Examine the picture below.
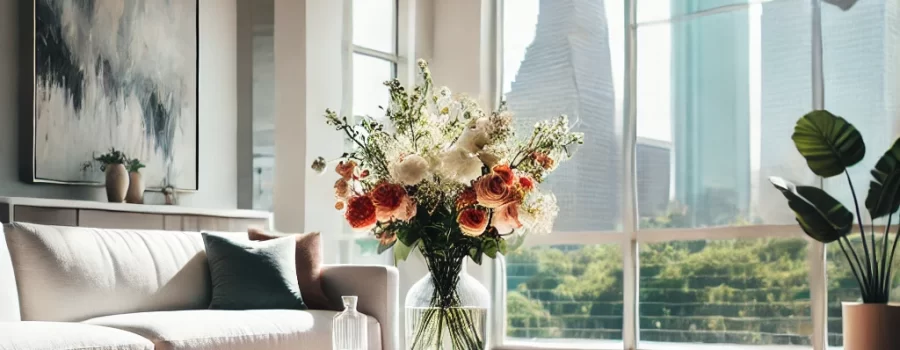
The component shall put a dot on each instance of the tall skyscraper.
(654, 170)
(711, 113)
(567, 70)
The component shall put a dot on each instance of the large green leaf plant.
(830, 145)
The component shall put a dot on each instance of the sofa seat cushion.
(32, 335)
(234, 329)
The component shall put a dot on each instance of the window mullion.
(630, 263)
(818, 280)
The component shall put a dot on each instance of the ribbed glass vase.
(447, 309)
(349, 329)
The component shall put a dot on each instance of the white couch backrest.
(76, 273)
(9, 297)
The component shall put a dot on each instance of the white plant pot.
(870, 326)
(116, 183)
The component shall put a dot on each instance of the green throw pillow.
(252, 275)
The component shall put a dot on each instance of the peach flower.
(543, 159)
(407, 210)
(506, 218)
(493, 192)
(341, 189)
(345, 169)
(472, 222)
(392, 202)
(360, 213)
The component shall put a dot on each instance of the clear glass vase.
(447, 309)
(349, 329)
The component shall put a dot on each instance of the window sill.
(612, 345)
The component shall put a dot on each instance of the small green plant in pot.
(830, 144)
(112, 164)
(136, 182)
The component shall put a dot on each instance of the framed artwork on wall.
(101, 74)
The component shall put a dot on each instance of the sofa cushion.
(308, 261)
(252, 275)
(67, 336)
(9, 296)
(75, 273)
(234, 330)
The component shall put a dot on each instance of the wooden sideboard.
(129, 216)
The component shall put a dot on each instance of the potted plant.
(441, 176)
(112, 164)
(136, 182)
(830, 145)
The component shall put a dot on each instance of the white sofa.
(83, 288)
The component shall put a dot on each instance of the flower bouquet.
(438, 174)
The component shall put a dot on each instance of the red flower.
(390, 200)
(472, 222)
(360, 213)
(526, 183)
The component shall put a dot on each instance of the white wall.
(217, 143)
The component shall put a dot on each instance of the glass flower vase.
(349, 329)
(447, 309)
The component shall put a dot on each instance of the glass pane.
(655, 10)
(552, 67)
(369, 92)
(842, 285)
(750, 292)
(263, 120)
(374, 23)
(717, 100)
(862, 82)
(565, 293)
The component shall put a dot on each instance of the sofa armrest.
(378, 289)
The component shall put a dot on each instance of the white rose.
(475, 137)
(460, 165)
(411, 170)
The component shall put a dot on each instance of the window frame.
(631, 236)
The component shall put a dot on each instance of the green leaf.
(821, 216)
(382, 247)
(408, 237)
(401, 251)
(883, 198)
(490, 247)
(504, 246)
(476, 253)
(829, 143)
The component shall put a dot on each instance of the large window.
(669, 231)
(372, 58)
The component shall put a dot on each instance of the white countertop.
(135, 208)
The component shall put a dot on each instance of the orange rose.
(492, 191)
(466, 198)
(341, 189)
(526, 183)
(506, 218)
(472, 222)
(361, 213)
(345, 169)
(390, 199)
(543, 160)
(505, 173)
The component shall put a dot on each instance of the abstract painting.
(113, 73)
